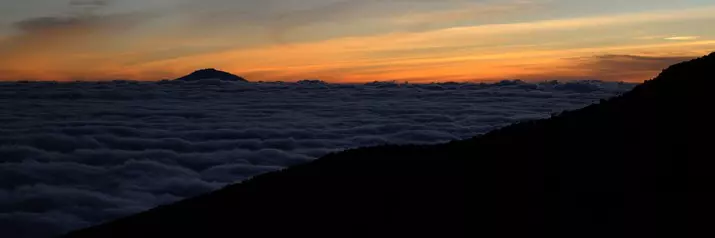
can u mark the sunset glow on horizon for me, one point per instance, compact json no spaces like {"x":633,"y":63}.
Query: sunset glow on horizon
{"x":352,"y":40}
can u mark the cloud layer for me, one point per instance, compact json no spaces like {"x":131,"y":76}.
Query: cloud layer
{"x":76,"y":154}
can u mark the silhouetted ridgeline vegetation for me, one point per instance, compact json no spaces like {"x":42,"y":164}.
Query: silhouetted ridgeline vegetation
{"x":638,"y":165}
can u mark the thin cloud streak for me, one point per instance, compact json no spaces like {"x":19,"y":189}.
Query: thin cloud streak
{"x":682,"y":38}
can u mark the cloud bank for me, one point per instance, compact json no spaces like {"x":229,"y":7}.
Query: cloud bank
{"x":77,"y":154}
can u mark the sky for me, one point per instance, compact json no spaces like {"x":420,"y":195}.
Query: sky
{"x":352,"y":40}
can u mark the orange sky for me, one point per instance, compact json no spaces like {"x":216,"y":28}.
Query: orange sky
{"x":453,"y":41}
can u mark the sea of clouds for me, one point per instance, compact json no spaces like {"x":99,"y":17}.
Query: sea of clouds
{"x":77,"y":154}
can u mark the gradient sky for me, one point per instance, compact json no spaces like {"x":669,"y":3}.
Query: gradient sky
{"x":351,"y":40}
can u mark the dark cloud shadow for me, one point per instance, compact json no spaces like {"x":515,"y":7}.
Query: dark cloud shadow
{"x":83,"y":25}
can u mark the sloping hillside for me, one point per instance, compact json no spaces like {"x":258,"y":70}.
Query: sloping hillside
{"x":638,"y":165}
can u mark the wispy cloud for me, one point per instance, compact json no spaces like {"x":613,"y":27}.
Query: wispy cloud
{"x":620,"y":67}
{"x":55,"y":46}
{"x":363,"y":16}
{"x":682,"y":38}
{"x":93,"y":4}
{"x":416,"y":41}
{"x":470,"y":11}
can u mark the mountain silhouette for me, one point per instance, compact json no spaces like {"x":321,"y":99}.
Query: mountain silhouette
{"x":637,"y":165}
{"x":211,"y":74}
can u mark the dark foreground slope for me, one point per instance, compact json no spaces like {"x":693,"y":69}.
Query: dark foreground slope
{"x":639,"y":165}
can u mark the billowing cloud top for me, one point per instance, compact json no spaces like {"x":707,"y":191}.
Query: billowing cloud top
{"x":76,"y":154}
{"x":347,"y":40}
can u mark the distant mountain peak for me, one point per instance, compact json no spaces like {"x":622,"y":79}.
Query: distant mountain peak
{"x":211,"y":73}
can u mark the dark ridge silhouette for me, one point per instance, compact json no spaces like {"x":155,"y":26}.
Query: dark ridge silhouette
{"x":311,"y":81}
{"x":637,"y":165}
{"x":211,"y":74}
